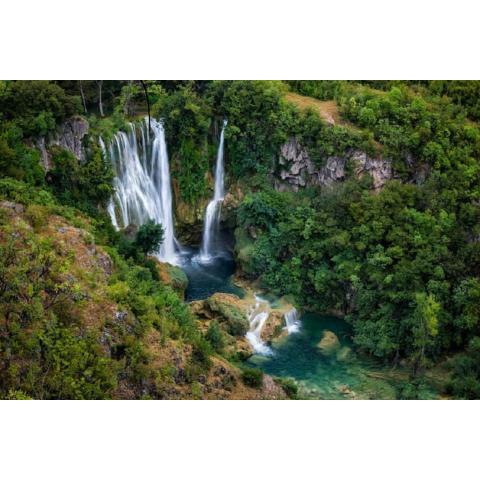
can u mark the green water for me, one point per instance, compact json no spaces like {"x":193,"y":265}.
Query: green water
{"x":342,"y":375}
{"x":324,"y":376}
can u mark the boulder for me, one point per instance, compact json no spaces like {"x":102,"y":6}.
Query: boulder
{"x":229,"y":309}
{"x":273,"y":326}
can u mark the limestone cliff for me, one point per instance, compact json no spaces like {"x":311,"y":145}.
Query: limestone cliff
{"x":296,"y":169}
{"x":69,"y":135}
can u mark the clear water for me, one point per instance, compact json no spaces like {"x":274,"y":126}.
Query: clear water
{"x":318,"y":375}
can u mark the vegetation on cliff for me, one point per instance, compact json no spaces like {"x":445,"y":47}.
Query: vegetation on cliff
{"x":402,"y":264}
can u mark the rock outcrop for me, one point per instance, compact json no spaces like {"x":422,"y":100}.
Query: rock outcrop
{"x":298,"y":170}
{"x":69,"y":136}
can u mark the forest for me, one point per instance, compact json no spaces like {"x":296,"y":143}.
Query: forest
{"x":354,"y":199}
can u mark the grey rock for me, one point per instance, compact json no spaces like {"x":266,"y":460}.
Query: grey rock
{"x":121,"y":315}
{"x":69,"y":136}
{"x":16,"y":207}
{"x":298,"y":170}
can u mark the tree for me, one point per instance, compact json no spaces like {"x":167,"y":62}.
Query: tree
{"x":426,"y":325}
{"x":215,"y":337}
{"x":82,"y":94}
{"x":149,"y":237}
{"x":100,"y":104}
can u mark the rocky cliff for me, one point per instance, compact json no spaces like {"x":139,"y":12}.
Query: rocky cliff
{"x":296,"y":169}
{"x":69,"y":135}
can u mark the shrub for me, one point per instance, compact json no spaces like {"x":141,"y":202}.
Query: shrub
{"x":36,"y":215}
{"x":253,"y":377}
{"x":149,"y":237}
{"x":289,"y":386}
{"x":214,"y":336}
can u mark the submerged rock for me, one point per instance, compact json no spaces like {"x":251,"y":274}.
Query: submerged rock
{"x":329,"y":344}
{"x":344,"y":354}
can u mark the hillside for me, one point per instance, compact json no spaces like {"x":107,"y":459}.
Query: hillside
{"x":354,"y":202}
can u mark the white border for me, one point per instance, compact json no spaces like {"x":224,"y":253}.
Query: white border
{"x":251,"y":39}
{"x":232,"y":39}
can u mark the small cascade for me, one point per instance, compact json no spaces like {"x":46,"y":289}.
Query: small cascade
{"x":257,"y":319}
{"x":142,"y":182}
{"x":212,"y":212}
{"x":292,"y":321}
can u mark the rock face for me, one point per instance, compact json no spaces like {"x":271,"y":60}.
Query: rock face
{"x":69,"y":136}
{"x":298,"y":170}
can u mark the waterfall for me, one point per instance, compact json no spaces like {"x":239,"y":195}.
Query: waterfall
{"x":142,"y":182}
{"x":292,"y":321}
{"x":257,"y":318}
{"x":212,"y":212}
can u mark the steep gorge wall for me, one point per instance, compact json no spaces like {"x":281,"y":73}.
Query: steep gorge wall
{"x":69,"y":135}
{"x":295,"y":169}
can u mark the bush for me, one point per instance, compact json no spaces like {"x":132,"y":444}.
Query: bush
{"x":214,"y":336}
{"x":289,"y":386}
{"x":149,"y":237}
{"x":252,"y":377}
{"x":36,"y":215}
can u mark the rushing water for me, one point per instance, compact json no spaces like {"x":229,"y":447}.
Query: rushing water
{"x":210,"y":243}
{"x":257,"y":318}
{"x":142,"y":182}
{"x":292,"y":321}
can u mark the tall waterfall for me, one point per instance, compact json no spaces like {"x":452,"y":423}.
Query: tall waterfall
{"x":212,"y":213}
{"x":142,"y":182}
{"x":292,"y":321}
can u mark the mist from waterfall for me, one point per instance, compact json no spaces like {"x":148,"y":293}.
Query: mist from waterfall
{"x":142,"y":182}
{"x":212,"y":213}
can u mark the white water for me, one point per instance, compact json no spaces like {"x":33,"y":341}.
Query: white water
{"x":292,"y":320}
{"x":213,"y":210}
{"x":257,"y":319}
{"x":142,"y":183}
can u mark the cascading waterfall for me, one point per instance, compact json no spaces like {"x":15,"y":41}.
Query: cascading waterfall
{"x":292,"y":321}
{"x":257,"y":319}
{"x":142,"y":182}
{"x":212,"y":212}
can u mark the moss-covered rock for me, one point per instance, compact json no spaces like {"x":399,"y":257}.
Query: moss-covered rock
{"x":172,"y":276}
{"x":229,"y":309}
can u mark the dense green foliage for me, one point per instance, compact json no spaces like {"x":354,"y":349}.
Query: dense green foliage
{"x":149,"y":237}
{"x":253,"y":377}
{"x":402,"y":264}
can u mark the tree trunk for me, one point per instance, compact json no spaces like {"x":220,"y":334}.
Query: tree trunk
{"x":83,"y":97}
{"x":100,"y":105}
{"x":126,"y":107}
{"x":148,"y":101}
